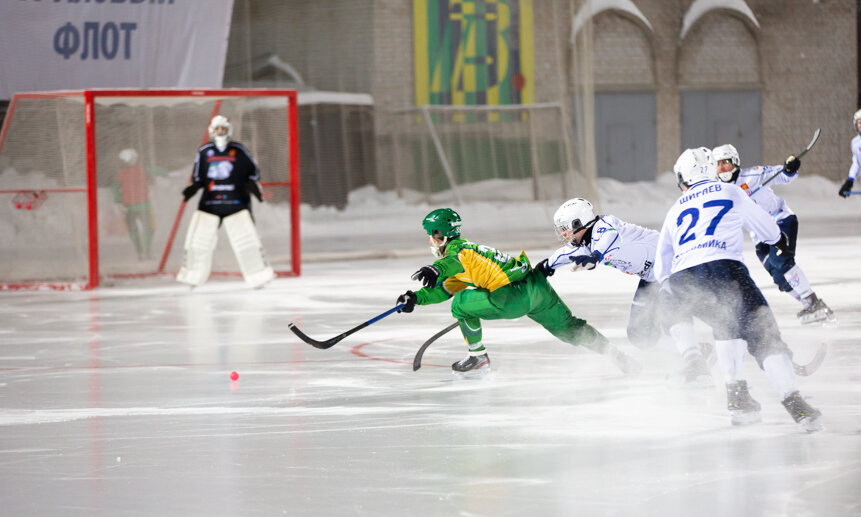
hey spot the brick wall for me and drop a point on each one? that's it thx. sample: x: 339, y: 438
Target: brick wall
x: 802, y: 57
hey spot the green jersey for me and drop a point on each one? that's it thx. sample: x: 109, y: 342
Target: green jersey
x: 467, y: 264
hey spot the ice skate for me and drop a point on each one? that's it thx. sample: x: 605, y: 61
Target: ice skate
x: 694, y: 374
x: 472, y: 366
x: 816, y: 311
x: 806, y: 416
x: 742, y: 407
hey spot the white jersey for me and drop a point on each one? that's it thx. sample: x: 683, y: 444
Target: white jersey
x: 856, y: 158
x: 751, y: 178
x: 624, y: 246
x: 705, y: 224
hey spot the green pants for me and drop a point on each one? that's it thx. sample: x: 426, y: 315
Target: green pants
x: 141, y: 236
x: 533, y: 297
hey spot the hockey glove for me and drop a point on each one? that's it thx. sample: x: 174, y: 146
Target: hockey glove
x: 409, y: 301
x: 782, y: 244
x: 544, y: 268
x: 254, y: 188
x: 189, y: 191
x: 427, y: 275
x: 587, y: 262
x: 847, y: 186
x: 791, y: 165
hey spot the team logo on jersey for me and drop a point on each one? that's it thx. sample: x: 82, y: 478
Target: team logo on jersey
x: 232, y: 152
x: 210, y: 152
x: 219, y: 170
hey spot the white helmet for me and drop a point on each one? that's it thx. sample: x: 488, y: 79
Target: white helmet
x: 129, y: 156
x: 726, y: 152
x: 855, y: 118
x: 220, y: 121
x: 574, y: 215
x: 694, y: 166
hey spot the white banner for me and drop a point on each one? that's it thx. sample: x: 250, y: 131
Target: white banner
x: 78, y: 44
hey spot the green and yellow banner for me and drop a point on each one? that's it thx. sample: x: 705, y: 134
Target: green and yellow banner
x: 473, y: 52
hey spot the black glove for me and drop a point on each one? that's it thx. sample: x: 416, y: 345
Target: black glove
x: 791, y: 165
x: 585, y: 261
x: 254, y: 188
x: 847, y: 186
x: 544, y: 268
x: 409, y: 301
x: 189, y: 191
x: 427, y: 275
x: 782, y: 244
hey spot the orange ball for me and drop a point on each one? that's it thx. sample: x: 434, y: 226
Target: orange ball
x: 234, y: 376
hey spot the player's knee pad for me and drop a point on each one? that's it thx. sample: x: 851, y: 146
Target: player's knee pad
x: 248, y: 249
x: 200, y: 243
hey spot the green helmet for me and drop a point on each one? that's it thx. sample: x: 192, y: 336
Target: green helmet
x: 442, y: 222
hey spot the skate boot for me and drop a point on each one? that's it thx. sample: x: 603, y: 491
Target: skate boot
x: 815, y: 310
x: 806, y: 416
x: 742, y: 407
x: 694, y: 374
x: 472, y: 366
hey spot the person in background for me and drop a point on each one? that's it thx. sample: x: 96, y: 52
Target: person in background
x: 131, y: 193
x: 855, y: 147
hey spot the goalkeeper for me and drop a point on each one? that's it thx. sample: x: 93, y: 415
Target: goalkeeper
x: 487, y: 284
x: 227, y: 174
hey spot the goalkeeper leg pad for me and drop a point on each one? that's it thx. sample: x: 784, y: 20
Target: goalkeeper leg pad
x: 248, y: 249
x: 200, y: 243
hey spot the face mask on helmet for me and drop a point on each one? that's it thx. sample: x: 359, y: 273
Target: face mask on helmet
x: 442, y: 225
x: 855, y: 119
x: 573, y: 216
x: 217, y: 122
x: 694, y: 166
x: 729, y: 153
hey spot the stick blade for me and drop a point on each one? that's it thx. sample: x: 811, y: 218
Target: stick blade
x: 810, y: 368
x: 417, y: 360
x: 322, y: 345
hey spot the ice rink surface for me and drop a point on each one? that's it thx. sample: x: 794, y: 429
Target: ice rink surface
x: 118, y: 402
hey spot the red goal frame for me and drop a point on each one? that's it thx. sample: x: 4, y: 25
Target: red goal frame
x: 90, y: 97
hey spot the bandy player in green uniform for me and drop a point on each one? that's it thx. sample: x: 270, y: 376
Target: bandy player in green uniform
x: 487, y: 284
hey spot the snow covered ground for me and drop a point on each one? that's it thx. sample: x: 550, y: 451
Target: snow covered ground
x: 118, y: 401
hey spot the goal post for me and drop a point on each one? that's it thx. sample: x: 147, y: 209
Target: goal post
x: 91, y: 182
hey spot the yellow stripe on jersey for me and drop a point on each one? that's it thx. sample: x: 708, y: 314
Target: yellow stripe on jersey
x: 452, y: 285
x: 481, y: 271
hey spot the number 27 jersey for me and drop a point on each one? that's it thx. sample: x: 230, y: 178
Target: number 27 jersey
x: 707, y: 223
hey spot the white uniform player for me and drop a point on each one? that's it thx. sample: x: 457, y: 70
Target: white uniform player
x: 855, y: 146
x: 606, y: 239
x: 699, y: 260
x: 781, y: 266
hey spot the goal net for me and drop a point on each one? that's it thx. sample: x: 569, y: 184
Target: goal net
x: 485, y: 153
x: 91, y: 182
